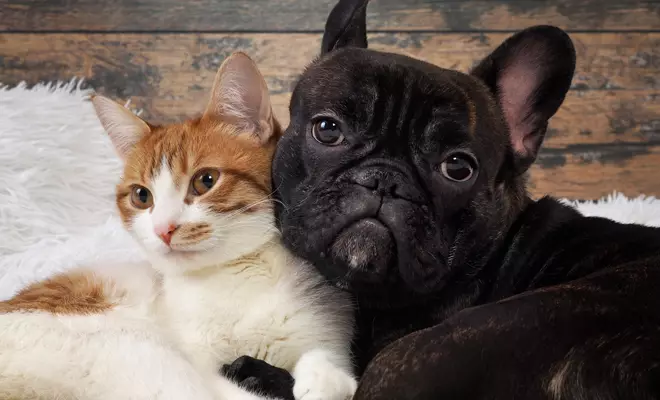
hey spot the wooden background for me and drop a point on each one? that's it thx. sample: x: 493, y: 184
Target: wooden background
x: 163, y: 54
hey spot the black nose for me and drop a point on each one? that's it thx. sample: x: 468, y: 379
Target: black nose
x: 389, y: 184
x: 376, y: 183
x: 369, y: 181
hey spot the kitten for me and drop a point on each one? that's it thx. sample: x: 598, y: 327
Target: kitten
x: 219, y: 284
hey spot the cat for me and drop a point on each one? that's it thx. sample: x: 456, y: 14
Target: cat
x: 219, y: 283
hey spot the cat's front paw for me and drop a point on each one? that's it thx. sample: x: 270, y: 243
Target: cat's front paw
x: 258, y: 376
x: 317, y: 378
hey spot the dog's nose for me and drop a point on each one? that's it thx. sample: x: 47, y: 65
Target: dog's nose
x: 369, y: 181
x: 387, y: 184
x: 165, y: 233
x: 377, y: 184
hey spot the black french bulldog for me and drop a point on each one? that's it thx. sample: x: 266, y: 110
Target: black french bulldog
x: 404, y: 183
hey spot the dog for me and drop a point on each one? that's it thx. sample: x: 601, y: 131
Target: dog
x: 404, y: 184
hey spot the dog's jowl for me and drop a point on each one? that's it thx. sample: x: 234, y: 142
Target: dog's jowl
x: 404, y: 183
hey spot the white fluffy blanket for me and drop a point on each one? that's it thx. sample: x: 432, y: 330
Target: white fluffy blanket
x: 57, y: 178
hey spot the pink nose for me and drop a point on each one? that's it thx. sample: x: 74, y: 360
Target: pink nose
x: 165, y: 234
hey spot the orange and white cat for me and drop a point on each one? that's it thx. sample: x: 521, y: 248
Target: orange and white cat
x: 219, y: 283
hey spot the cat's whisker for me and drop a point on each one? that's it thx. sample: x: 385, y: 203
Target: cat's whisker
x: 309, y: 193
x: 280, y: 202
x: 274, y: 200
x: 244, y: 223
x: 247, y: 207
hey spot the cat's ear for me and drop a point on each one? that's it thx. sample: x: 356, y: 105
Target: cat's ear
x: 240, y: 96
x: 124, y: 128
x: 346, y: 26
x: 529, y: 74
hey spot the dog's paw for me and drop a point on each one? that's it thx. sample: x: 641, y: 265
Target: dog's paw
x: 258, y: 376
x: 316, y: 378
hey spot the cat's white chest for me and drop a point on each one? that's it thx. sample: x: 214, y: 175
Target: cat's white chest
x: 233, y: 312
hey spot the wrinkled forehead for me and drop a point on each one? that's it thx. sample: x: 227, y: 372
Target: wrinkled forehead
x: 359, y: 84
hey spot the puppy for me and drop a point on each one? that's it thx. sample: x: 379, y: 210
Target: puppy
x: 404, y: 183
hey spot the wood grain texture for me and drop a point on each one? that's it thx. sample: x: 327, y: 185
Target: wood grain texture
x: 166, y: 71
x: 310, y: 15
x: 605, y: 137
x: 592, y: 174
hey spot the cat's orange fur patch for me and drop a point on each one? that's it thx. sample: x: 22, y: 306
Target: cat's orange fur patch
x: 77, y: 292
x: 203, y: 143
x: 192, y: 233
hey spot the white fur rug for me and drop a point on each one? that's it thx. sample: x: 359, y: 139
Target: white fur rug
x: 57, y: 178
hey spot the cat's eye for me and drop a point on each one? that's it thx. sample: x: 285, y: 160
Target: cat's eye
x: 327, y: 131
x: 458, y: 167
x: 204, y: 180
x: 141, y: 197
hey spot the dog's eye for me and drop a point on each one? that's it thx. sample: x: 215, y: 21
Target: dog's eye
x: 141, y: 197
x: 203, y: 181
x: 328, y: 132
x: 458, y: 167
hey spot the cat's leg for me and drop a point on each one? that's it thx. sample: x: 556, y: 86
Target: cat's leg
x: 320, y: 375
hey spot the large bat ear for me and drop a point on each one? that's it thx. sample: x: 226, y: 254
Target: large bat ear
x: 346, y: 26
x: 529, y: 74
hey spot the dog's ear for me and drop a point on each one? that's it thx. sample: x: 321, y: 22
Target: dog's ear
x: 529, y: 74
x: 346, y: 26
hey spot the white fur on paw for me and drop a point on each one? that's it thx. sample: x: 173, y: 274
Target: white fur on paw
x: 316, y: 378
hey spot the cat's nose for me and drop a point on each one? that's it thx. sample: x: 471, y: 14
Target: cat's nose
x: 165, y: 233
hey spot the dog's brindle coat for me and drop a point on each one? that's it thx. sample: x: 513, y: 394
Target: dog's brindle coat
x: 404, y: 184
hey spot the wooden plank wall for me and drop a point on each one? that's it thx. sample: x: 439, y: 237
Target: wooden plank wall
x: 163, y: 54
